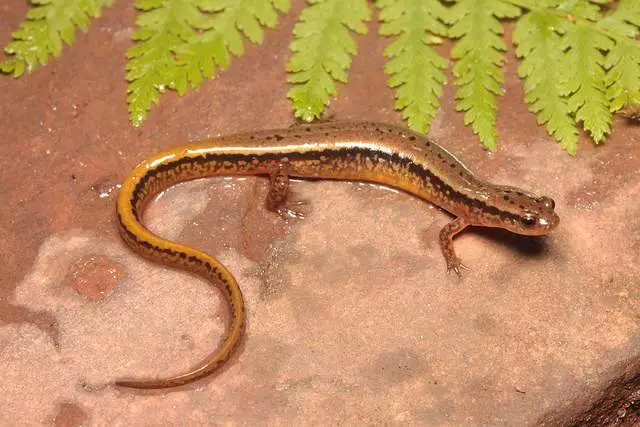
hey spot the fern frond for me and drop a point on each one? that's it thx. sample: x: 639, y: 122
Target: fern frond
x: 623, y: 59
x: 162, y: 27
x: 181, y: 42
x: 220, y: 37
x: 322, y: 50
x: 585, y: 82
x: 49, y: 24
x: 416, y: 70
x: 538, y: 41
x: 479, y: 54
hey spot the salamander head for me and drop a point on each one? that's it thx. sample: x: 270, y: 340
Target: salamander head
x: 525, y: 213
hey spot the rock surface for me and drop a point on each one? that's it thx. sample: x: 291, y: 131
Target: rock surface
x: 353, y: 319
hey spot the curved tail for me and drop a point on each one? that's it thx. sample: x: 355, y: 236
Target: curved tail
x: 136, y: 190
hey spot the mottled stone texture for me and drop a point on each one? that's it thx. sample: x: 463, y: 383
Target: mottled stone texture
x: 352, y: 318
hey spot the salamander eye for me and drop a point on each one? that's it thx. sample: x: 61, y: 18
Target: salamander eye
x: 547, y: 202
x: 528, y: 220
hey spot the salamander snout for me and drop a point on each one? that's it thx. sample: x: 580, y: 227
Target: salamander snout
x: 539, y: 218
x: 535, y: 224
x: 524, y: 212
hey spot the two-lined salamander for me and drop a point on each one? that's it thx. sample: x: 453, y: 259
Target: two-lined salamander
x: 373, y: 152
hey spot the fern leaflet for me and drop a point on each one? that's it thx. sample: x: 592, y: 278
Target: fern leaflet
x: 416, y: 70
x: 322, y: 52
x: 479, y: 54
x: 220, y: 37
x: 180, y: 42
x: 623, y: 59
x: 48, y: 25
x: 538, y: 41
x: 585, y: 87
x: 163, y: 26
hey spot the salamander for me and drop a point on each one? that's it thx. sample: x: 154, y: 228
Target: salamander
x: 363, y: 151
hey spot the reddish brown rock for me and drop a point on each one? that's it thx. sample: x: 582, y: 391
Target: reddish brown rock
x: 352, y: 318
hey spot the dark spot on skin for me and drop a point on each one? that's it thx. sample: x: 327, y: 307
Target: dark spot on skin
x: 326, y: 134
x: 308, y: 129
x: 521, y: 207
x: 453, y: 165
x: 505, y: 197
x: 279, y: 137
x: 461, y: 173
x: 252, y: 137
x: 269, y: 138
x: 439, y: 155
x: 73, y: 176
x: 519, y: 193
x: 512, y: 202
x: 297, y: 135
x: 412, y: 138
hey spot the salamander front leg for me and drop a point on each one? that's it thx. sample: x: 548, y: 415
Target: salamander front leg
x: 278, y: 198
x: 446, y: 244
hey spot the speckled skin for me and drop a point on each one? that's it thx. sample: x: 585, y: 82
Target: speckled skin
x: 364, y: 151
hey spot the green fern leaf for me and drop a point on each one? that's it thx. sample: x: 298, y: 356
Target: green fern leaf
x: 162, y: 27
x: 220, y: 38
x: 623, y: 59
x: 538, y: 41
x: 322, y: 50
x: 49, y: 24
x: 585, y: 78
x: 416, y: 70
x: 181, y: 42
x: 479, y: 54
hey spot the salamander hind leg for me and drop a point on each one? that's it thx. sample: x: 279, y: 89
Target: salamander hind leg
x: 446, y: 245
x: 279, y: 196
